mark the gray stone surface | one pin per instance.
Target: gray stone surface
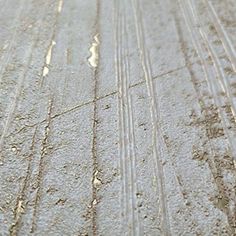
(117, 117)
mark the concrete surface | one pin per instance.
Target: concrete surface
(117, 117)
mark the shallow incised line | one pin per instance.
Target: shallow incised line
(160, 75)
(158, 142)
(126, 149)
(21, 199)
(218, 68)
(8, 55)
(43, 153)
(196, 89)
(19, 88)
(222, 83)
(123, 197)
(44, 144)
(212, 89)
(228, 45)
(18, 214)
(131, 136)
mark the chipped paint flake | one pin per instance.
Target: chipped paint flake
(93, 59)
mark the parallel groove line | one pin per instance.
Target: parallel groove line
(222, 82)
(217, 64)
(22, 193)
(8, 55)
(158, 141)
(21, 201)
(127, 170)
(138, 226)
(218, 69)
(7, 58)
(19, 88)
(196, 89)
(14, 229)
(211, 86)
(201, 102)
(129, 129)
(210, 82)
(122, 152)
(130, 220)
(43, 153)
(47, 130)
(227, 43)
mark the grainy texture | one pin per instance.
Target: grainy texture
(117, 117)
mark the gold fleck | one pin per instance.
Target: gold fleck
(5, 46)
(49, 54)
(93, 59)
(95, 202)
(48, 58)
(234, 163)
(14, 149)
(96, 182)
(45, 71)
(60, 6)
(20, 208)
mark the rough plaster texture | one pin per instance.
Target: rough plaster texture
(117, 117)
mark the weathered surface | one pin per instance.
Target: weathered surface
(117, 117)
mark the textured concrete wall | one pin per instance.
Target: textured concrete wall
(117, 117)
